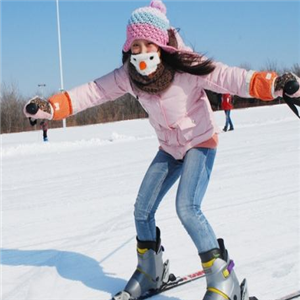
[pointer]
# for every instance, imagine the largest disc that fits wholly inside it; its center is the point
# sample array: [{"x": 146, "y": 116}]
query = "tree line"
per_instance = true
[{"x": 124, "y": 108}]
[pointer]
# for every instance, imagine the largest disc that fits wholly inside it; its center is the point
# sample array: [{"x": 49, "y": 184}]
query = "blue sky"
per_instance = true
[{"x": 254, "y": 33}]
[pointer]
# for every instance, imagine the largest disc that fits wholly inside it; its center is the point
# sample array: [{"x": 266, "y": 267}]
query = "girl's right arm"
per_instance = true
[{"x": 99, "y": 91}]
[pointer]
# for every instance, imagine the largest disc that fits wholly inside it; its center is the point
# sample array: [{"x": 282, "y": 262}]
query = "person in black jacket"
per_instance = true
[{"x": 44, "y": 127}]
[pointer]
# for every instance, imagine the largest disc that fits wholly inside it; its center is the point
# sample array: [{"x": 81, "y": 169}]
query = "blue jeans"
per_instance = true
[
  {"x": 194, "y": 172},
  {"x": 228, "y": 120}
]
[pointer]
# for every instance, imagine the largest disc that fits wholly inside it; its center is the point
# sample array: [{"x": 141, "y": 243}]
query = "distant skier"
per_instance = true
[
  {"x": 227, "y": 106},
  {"x": 44, "y": 127},
  {"x": 170, "y": 80}
]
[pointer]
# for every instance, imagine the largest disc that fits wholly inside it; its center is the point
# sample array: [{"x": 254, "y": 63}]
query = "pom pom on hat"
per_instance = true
[
  {"x": 159, "y": 5},
  {"x": 149, "y": 23}
]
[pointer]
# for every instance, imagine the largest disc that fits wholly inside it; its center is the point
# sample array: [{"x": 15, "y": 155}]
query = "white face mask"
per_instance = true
[{"x": 145, "y": 63}]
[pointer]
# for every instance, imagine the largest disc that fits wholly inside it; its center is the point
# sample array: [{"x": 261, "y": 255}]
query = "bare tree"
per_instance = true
[
  {"x": 12, "y": 118},
  {"x": 296, "y": 69},
  {"x": 246, "y": 66},
  {"x": 271, "y": 66}
]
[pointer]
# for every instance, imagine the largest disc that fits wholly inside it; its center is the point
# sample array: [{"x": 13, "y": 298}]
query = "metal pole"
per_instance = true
[
  {"x": 60, "y": 56},
  {"x": 41, "y": 86}
]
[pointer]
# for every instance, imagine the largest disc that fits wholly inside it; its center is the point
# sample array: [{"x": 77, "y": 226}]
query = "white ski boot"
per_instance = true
[
  {"x": 222, "y": 282},
  {"x": 150, "y": 273}
]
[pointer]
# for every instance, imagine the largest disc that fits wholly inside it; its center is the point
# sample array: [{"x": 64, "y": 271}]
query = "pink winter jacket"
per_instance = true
[{"x": 181, "y": 116}]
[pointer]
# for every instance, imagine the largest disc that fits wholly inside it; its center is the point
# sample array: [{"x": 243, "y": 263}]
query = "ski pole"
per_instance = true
[{"x": 290, "y": 88}]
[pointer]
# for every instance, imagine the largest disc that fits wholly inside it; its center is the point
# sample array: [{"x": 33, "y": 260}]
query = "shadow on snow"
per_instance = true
[{"x": 69, "y": 265}]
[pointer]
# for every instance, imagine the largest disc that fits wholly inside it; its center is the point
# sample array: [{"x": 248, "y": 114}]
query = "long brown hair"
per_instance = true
[{"x": 188, "y": 62}]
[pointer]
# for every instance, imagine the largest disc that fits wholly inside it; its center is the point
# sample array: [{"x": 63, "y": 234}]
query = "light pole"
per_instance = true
[
  {"x": 41, "y": 87},
  {"x": 60, "y": 56}
]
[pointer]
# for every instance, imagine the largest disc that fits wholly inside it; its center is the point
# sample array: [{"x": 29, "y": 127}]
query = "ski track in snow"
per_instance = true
[{"x": 67, "y": 208}]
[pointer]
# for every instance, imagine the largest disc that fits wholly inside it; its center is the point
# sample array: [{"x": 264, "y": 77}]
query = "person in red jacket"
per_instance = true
[{"x": 227, "y": 107}]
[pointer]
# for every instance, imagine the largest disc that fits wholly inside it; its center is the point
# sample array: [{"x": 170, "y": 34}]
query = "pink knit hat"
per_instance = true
[{"x": 149, "y": 23}]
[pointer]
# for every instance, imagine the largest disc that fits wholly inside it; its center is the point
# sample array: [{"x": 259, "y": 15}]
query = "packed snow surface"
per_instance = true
[{"x": 67, "y": 208}]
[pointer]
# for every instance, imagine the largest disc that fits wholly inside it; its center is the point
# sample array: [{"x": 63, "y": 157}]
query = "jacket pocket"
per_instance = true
[
  {"x": 160, "y": 132},
  {"x": 193, "y": 125}
]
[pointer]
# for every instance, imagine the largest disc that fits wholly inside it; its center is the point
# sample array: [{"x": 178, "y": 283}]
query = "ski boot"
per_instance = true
[
  {"x": 222, "y": 282},
  {"x": 151, "y": 273}
]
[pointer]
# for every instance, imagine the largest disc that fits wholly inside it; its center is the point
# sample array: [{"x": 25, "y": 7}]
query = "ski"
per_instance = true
[
  {"x": 181, "y": 280},
  {"x": 290, "y": 296},
  {"x": 286, "y": 297},
  {"x": 172, "y": 283},
  {"x": 177, "y": 282},
  {"x": 169, "y": 286}
]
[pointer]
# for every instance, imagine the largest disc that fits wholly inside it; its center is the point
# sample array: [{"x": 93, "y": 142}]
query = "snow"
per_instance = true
[{"x": 67, "y": 208}]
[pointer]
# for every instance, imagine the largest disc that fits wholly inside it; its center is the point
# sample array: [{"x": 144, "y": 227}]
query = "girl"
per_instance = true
[{"x": 170, "y": 80}]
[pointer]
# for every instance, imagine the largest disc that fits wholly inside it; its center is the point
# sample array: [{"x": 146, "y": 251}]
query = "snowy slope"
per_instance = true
[{"x": 67, "y": 208}]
